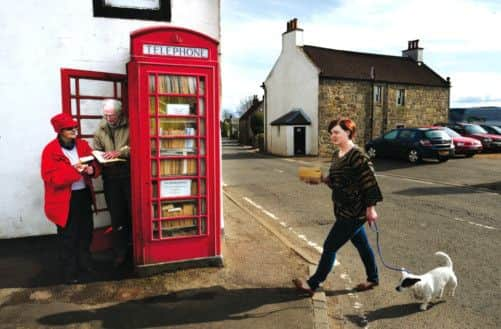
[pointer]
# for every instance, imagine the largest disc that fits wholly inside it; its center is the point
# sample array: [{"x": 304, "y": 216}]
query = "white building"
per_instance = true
[
  {"x": 40, "y": 38},
  {"x": 291, "y": 99}
]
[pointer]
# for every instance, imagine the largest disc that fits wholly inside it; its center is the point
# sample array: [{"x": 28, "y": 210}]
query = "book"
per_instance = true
[
  {"x": 310, "y": 174},
  {"x": 99, "y": 155}
]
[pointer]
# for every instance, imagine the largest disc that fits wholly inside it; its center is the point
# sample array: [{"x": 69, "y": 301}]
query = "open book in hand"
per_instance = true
[{"x": 99, "y": 156}]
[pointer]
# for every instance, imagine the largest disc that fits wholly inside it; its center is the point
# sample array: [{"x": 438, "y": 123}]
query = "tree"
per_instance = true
[{"x": 257, "y": 123}]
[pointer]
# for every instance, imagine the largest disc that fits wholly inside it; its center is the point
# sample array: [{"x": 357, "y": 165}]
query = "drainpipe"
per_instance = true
[
  {"x": 265, "y": 110},
  {"x": 373, "y": 78}
]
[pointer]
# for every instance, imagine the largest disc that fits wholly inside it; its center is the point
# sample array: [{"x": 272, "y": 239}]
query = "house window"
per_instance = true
[
  {"x": 378, "y": 91},
  {"x": 153, "y": 10},
  {"x": 401, "y": 97},
  {"x": 278, "y": 131}
]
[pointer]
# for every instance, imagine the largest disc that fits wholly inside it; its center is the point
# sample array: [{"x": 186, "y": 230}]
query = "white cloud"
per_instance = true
[{"x": 447, "y": 29}]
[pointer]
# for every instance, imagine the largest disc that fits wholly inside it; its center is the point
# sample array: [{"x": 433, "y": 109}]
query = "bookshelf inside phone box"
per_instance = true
[{"x": 173, "y": 88}]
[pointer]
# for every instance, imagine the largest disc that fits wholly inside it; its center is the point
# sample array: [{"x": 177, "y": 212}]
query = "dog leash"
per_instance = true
[{"x": 390, "y": 267}]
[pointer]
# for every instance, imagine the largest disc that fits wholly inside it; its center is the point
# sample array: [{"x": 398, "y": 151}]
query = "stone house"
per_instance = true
[{"x": 379, "y": 92}]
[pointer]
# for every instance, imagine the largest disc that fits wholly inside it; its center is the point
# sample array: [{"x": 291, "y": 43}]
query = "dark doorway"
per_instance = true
[{"x": 299, "y": 140}]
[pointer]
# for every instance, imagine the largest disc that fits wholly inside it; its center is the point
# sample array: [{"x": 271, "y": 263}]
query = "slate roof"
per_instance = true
[
  {"x": 341, "y": 64},
  {"x": 294, "y": 117}
]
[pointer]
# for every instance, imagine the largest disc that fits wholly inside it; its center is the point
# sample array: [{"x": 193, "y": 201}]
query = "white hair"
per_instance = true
[{"x": 113, "y": 103}]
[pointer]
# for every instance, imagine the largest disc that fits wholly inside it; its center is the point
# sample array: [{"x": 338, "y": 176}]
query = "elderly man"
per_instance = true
[{"x": 112, "y": 137}]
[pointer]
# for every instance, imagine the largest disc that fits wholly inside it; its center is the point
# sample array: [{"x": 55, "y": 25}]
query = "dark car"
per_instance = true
[
  {"x": 490, "y": 142},
  {"x": 495, "y": 130},
  {"x": 413, "y": 144},
  {"x": 463, "y": 145}
]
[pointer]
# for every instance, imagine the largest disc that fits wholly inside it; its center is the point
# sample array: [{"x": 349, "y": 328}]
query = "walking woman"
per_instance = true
[{"x": 355, "y": 193}]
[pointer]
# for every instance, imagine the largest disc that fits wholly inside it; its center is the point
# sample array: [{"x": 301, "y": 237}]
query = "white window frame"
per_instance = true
[
  {"x": 400, "y": 97},
  {"x": 378, "y": 93}
]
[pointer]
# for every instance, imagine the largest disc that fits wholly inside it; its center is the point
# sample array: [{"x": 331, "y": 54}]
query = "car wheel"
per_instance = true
[
  {"x": 413, "y": 156},
  {"x": 371, "y": 152},
  {"x": 469, "y": 155}
]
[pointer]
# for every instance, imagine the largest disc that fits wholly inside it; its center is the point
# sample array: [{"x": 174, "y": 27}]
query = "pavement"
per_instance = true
[{"x": 252, "y": 290}]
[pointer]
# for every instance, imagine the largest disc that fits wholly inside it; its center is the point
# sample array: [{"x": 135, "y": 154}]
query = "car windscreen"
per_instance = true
[
  {"x": 474, "y": 129},
  {"x": 497, "y": 130},
  {"x": 451, "y": 132},
  {"x": 436, "y": 133}
]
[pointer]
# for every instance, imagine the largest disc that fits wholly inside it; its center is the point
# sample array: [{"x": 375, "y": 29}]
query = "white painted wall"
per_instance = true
[
  {"x": 38, "y": 38},
  {"x": 292, "y": 83}
]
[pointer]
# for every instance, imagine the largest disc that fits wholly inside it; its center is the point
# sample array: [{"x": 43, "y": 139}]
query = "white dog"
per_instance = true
[{"x": 431, "y": 284}]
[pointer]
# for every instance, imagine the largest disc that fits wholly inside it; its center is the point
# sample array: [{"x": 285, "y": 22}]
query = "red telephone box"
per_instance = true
[{"x": 173, "y": 88}]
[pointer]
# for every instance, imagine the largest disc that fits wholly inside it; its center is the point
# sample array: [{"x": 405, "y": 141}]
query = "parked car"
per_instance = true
[
  {"x": 463, "y": 145},
  {"x": 490, "y": 142},
  {"x": 495, "y": 130},
  {"x": 413, "y": 144}
]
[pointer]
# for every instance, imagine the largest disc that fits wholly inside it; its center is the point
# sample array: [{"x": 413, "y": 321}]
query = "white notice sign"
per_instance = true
[
  {"x": 175, "y": 188},
  {"x": 178, "y": 109}
]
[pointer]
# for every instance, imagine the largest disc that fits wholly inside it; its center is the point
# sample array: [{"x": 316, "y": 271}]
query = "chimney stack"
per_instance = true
[
  {"x": 293, "y": 36},
  {"x": 414, "y": 51}
]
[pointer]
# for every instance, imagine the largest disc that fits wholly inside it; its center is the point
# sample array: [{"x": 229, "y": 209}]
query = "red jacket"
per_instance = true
[{"x": 58, "y": 174}]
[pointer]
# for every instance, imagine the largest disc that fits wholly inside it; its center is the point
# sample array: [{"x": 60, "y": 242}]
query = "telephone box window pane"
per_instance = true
[
  {"x": 177, "y": 84},
  {"x": 177, "y": 127},
  {"x": 154, "y": 168},
  {"x": 156, "y": 233},
  {"x": 183, "y": 208},
  {"x": 154, "y": 210},
  {"x": 201, "y": 107},
  {"x": 153, "y": 143},
  {"x": 202, "y": 147},
  {"x": 73, "y": 88},
  {"x": 202, "y": 167},
  {"x": 89, "y": 126},
  {"x": 202, "y": 86},
  {"x": 203, "y": 225},
  {"x": 202, "y": 187},
  {"x": 179, "y": 227},
  {"x": 154, "y": 189},
  {"x": 178, "y": 146},
  {"x": 73, "y": 106},
  {"x": 202, "y": 127},
  {"x": 177, "y": 105},
  {"x": 175, "y": 188},
  {"x": 178, "y": 167},
  {"x": 203, "y": 206},
  {"x": 91, "y": 107},
  {"x": 152, "y": 105},
  {"x": 99, "y": 88},
  {"x": 151, "y": 83},
  {"x": 153, "y": 127},
  {"x": 119, "y": 90}
]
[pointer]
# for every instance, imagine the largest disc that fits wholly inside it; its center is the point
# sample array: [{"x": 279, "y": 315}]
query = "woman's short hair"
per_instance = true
[{"x": 347, "y": 125}]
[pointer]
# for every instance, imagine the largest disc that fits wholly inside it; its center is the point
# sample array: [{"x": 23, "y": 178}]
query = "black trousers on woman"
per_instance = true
[{"x": 75, "y": 238}]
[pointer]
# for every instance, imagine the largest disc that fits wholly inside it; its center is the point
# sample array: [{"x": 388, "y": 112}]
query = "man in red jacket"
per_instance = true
[{"x": 69, "y": 195}]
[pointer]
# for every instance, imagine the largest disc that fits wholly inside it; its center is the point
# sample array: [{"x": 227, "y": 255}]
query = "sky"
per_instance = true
[{"x": 460, "y": 39}]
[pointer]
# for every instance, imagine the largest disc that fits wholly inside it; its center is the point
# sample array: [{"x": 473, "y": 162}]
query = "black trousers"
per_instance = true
[
  {"x": 118, "y": 199},
  {"x": 75, "y": 238}
]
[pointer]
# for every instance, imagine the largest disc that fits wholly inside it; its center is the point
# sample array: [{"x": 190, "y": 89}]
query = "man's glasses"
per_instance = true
[{"x": 70, "y": 128}]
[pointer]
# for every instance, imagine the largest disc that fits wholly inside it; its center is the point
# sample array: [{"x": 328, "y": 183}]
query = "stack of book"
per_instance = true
[{"x": 177, "y": 167}]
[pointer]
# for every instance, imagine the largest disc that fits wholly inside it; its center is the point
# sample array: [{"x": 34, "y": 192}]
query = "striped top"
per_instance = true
[{"x": 353, "y": 183}]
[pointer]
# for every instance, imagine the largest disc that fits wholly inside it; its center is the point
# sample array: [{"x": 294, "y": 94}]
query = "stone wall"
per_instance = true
[
  {"x": 347, "y": 99},
  {"x": 423, "y": 106}
]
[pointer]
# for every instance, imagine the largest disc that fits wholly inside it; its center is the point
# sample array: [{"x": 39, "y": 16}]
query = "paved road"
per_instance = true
[{"x": 452, "y": 206}]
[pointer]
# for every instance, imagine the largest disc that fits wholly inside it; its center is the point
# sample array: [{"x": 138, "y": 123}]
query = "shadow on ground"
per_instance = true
[
  {"x": 33, "y": 262},
  {"x": 184, "y": 307},
  {"x": 441, "y": 190},
  {"x": 390, "y": 312}
]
